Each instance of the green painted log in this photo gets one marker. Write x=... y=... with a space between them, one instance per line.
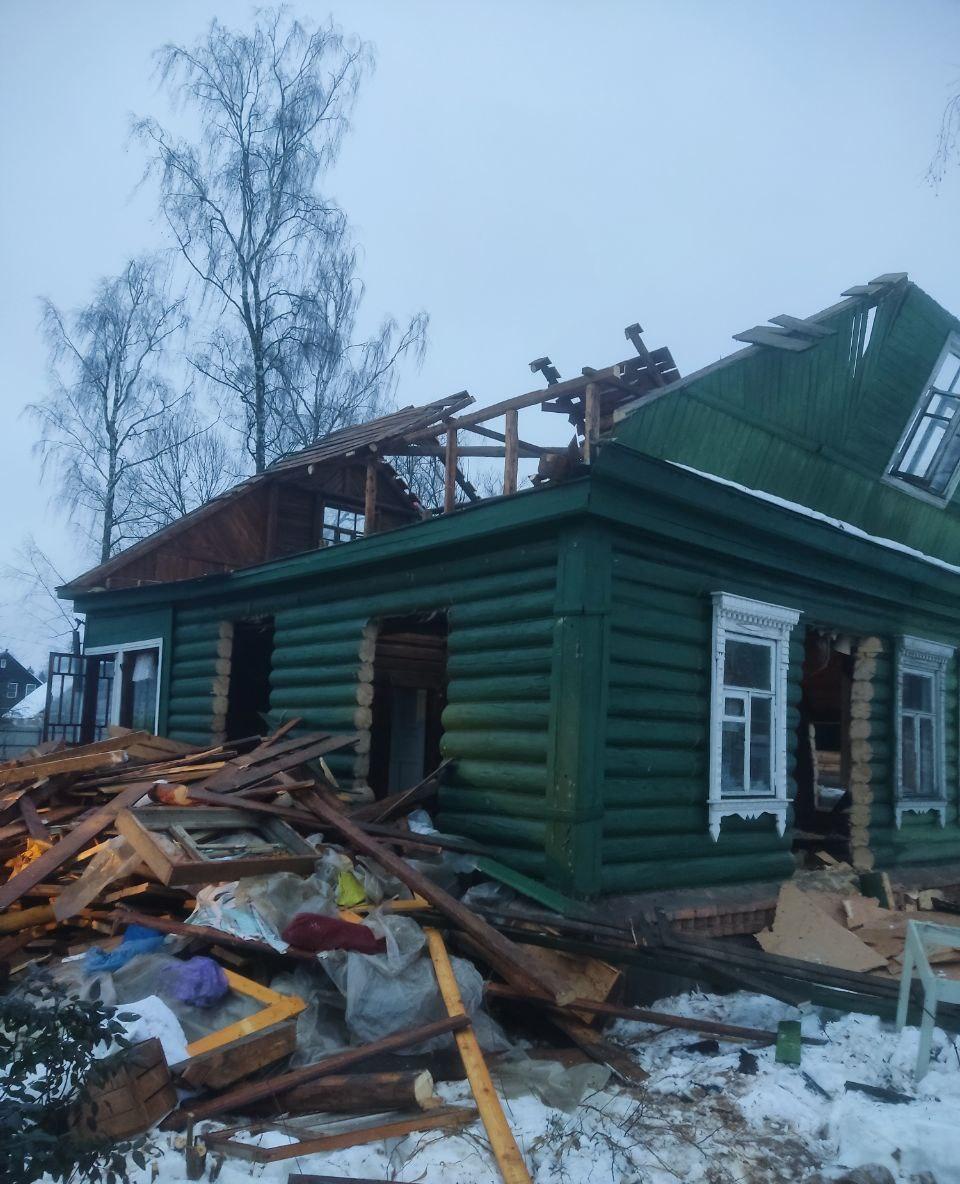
x=522 y=688
x=674 y=655
x=187 y=637
x=333 y=678
x=498 y=745
x=635 y=848
x=644 y=734
x=468 y=716
x=655 y=820
x=648 y=625
x=509 y=776
x=658 y=705
x=645 y=676
x=463 y=799
x=335 y=719
x=659 y=791
x=510 y=608
x=187 y=688
x=190 y=737
x=530 y=661
x=631 y=598
x=334 y=695
x=622 y=763
x=655 y=874
x=499 y=636
x=199 y=667
x=187 y=704
x=328 y=653
x=493 y=828
x=288 y=632
x=197 y=651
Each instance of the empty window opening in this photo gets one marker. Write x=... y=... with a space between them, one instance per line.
x=251 y=661
x=409 y=695
x=823 y=800
x=341 y=525
x=929 y=454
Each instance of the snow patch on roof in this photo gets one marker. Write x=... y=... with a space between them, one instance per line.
x=836 y=523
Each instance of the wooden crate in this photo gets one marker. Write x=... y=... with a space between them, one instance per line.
x=136 y=1093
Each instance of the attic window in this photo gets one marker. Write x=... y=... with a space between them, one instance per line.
x=340 y=525
x=928 y=458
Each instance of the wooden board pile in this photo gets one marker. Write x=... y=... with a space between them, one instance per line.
x=127 y=830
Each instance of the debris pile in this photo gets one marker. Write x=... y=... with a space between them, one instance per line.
x=310 y=975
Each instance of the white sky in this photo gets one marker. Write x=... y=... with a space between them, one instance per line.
x=536 y=175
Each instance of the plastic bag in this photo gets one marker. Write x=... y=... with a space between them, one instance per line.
x=199 y=981
x=136 y=940
x=554 y=1084
x=320 y=1026
x=389 y=992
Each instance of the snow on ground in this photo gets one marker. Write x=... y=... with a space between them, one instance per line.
x=701 y=1119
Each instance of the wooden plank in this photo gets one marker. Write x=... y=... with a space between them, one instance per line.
x=339 y=1062
x=241 y=1058
x=502 y=1143
x=389 y=807
x=36 y=828
x=277 y=1008
x=119 y=861
x=444 y=1117
x=510 y=457
x=591 y=423
x=641 y=1015
x=517 y=968
x=71 y=844
x=370 y=495
x=450 y=471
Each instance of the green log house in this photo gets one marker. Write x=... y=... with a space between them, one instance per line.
x=723 y=637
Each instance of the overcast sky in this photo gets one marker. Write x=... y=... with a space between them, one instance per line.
x=535 y=175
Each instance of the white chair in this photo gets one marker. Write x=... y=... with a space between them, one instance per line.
x=923 y=936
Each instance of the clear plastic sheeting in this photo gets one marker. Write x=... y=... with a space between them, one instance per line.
x=561 y=1086
x=321 y=1028
x=389 y=992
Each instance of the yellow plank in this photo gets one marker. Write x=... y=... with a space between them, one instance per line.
x=504 y=1145
x=277 y=1007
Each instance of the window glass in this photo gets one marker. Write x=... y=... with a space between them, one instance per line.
x=930 y=454
x=761 y=747
x=917 y=692
x=747 y=664
x=732 y=757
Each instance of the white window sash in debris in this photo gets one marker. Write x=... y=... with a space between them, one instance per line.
x=748 y=710
x=927 y=459
x=921 y=712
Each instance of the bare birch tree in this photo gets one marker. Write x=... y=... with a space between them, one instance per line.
x=190 y=465
x=244 y=206
x=948 y=141
x=108 y=399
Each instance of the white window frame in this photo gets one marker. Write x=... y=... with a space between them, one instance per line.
x=917 y=656
x=737 y=618
x=120 y=652
x=12 y=694
x=29 y=688
x=891 y=476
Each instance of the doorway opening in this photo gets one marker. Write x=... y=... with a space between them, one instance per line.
x=822 y=804
x=251 y=661
x=409 y=695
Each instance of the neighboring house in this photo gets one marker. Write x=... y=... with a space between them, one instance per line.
x=16 y=681
x=726 y=638
x=21 y=726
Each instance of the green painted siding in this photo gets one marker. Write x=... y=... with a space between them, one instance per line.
x=120 y=627
x=817 y=427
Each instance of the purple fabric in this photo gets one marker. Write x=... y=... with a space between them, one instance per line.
x=199 y=981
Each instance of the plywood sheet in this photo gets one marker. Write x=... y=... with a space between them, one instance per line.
x=802 y=929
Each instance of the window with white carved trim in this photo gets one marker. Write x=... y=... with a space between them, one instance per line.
x=921 y=694
x=748 y=719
